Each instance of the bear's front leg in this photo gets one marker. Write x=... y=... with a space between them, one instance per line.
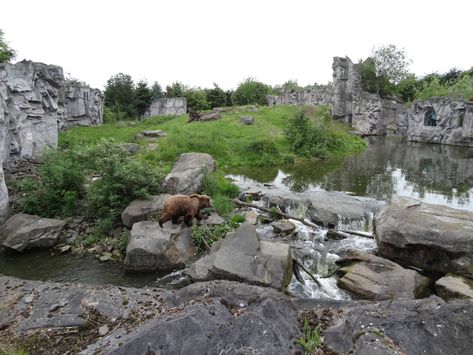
x=188 y=220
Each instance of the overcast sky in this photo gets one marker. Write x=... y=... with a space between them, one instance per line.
x=199 y=42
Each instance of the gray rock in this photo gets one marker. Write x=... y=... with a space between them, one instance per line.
x=431 y=237
x=131 y=148
x=154 y=248
x=103 y=330
x=334 y=235
x=452 y=286
x=187 y=173
x=453 y=124
x=167 y=106
x=151 y=134
x=403 y=326
x=83 y=106
x=211 y=116
x=283 y=226
x=4 y=210
x=250 y=195
x=23 y=231
x=141 y=210
x=251 y=217
x=247 y=120
x=374 y=278
x=242 y=257
x=214 y=219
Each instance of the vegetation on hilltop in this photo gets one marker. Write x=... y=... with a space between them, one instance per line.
x=6 y=53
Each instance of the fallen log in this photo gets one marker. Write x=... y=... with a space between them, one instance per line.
x=282 y=214
x=359 y=234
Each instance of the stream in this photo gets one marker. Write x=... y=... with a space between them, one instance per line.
x=433 y=173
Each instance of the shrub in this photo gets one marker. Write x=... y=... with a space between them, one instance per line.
x=251 y=92
x=57 y=190
x=236 y=220
x=216 y=97
x=120 y=93
x=122 y=179
x=196 y=99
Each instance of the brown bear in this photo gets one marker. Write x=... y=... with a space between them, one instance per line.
x=182 y=205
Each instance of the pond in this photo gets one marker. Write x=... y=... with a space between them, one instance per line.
x=433 y=173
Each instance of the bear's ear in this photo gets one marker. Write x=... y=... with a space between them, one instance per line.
x=204 y=197
x=194 y=196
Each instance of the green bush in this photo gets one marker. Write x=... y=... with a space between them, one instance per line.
x=216 y=97
x=58 y=189
x=122 y=178
x=311 y=340
x=251 y=92
x=196 y=99
x=206 y=235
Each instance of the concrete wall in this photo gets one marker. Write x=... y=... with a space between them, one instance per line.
x=454 y=122
x=167 y=106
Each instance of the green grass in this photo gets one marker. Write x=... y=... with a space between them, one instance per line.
x=230 y=142
x=311 y=339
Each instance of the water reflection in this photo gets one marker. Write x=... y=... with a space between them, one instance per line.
x=434 y=173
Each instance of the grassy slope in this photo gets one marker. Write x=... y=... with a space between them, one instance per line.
x=230 y=142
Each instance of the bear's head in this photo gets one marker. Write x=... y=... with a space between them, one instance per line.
x=204 y=201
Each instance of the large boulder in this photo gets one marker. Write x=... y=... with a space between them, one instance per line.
x=403 y=326
x=242 y=257
x=431 y=237
x=141 y=210
x=186 y=175
x=374 y=278
x=23 y=231
x=452 y=286
x=152 y=248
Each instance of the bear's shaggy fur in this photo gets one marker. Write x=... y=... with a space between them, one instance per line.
x=182 y=205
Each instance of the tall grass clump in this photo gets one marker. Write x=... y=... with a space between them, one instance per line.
x=221 y=190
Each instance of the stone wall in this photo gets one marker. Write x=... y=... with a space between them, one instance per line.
x=83 y=106
x=368 y=113
x=453 y=122
x=167 y=106
x=34 y=104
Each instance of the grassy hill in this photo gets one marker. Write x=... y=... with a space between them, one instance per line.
x=230 y=142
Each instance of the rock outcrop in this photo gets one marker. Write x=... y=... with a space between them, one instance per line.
x=431 y=237
x=378 y=279
x=83 y=106
x=167 y=106
x=23 y=232
x=34 y=104
x=187 y=173
x=152 y=248
x=441 y=120
x=368 y=113
x=141 y=210
x=221 y=317
x=241 y=256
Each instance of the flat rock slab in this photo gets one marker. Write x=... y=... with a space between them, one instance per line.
x=242 y=257
x=402 y=326
x=141 y=210
x=374 y=278
x=247 y=120
x=187 y=173
x=152 y=248
x=431 y=237
x=151 y=134
x=23 y=231
x=451 y=286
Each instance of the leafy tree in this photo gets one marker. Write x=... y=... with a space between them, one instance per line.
x=407 y=87
x=451 y=77
x=216 y=97
x=196 y=99
x=156 y=91
x=120 y=94
x=431 y=88
x=391 y=63
x=228 y=97
x=251 y=92
x=367 y=70
x=463 y=88
x=143 y=97
x=175 y=90
x=6 y=53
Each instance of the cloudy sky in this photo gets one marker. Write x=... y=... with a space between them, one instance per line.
x=199 y=42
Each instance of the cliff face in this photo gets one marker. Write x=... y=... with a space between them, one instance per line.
x=34 y=104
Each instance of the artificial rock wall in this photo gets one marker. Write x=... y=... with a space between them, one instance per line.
x=34 y=105
x=368 y=113
x=453 y=122
x=167 y=106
